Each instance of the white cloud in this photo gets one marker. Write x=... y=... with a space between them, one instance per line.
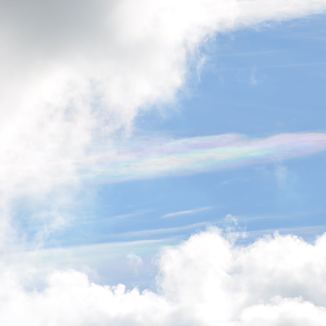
x=73 y=73
x=187 y=212
x=153 y=159
x=206 y=280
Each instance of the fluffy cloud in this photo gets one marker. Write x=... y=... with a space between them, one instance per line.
x=207 y=280
x=76 y=73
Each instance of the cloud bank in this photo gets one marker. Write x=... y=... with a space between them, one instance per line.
x=207 y=280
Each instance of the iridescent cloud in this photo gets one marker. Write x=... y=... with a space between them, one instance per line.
x=151 y=159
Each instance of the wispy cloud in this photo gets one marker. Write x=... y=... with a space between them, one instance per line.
x=115 y=218
x=162 y=233
x=187 y=212
x=74 y=75
x=203 y=154
x=88 y=69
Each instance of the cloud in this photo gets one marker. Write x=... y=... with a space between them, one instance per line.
x=207 y=280
x=75 y=73
x=161 y=233
x=74 y=76
x=187 y=212
x=203 y=154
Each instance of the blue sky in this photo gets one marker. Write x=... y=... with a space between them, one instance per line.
x=257 y=82
x=162 y=162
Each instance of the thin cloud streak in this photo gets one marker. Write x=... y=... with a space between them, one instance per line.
x=161 y=232
x=203 y=154
x=187 y=212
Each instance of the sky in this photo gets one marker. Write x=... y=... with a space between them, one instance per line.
x=162 y=162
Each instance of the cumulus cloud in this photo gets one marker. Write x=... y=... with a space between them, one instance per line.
x=207 y=280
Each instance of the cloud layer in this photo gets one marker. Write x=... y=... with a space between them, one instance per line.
x=207 y=280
